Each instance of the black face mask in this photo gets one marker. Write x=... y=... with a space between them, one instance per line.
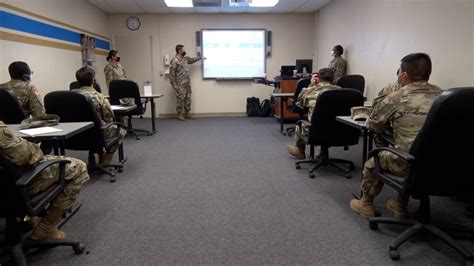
x=183 y=53
x=118 y=59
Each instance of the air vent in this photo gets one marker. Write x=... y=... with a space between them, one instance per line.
x=237 y=3
x=206 y=3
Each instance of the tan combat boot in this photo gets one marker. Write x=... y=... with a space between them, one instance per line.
x=47 y=228
x=398 y=206
x=297 y=152
x=187 y=115
x=180 y=117
x=364 y=207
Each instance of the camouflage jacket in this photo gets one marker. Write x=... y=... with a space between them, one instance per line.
x=391 y=87
x=338 y=65
x=28 y=96
x=18 y=151
x=101 y=104
x=404 y=111
x=179 y=72
x=308 y=96
x=113 y=71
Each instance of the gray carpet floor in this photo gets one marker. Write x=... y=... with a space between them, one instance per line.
x=225 y=191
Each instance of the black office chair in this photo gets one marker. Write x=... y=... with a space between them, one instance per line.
x=300 y=84
x=356 y=82
x=75 y=85
x=119 y=89
x=326 y=132
x=16 y=204
x=10 y=107
x=439 y=164
x=73 y=106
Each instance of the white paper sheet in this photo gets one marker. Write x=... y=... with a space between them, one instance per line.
x=40 y=130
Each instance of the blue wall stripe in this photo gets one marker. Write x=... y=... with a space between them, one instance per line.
x=19 y=23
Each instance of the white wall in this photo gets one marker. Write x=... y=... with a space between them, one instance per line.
x=292 y=38
x=53 y=68
x=377 y=34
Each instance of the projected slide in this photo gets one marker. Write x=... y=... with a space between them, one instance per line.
x=235 y=54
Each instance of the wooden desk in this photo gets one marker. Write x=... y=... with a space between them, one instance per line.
x=285 y=85
x=58 y=138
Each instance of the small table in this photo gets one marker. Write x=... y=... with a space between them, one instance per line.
x=58 y=138
x=366 y=135
x=283 y=99
x=120 y=111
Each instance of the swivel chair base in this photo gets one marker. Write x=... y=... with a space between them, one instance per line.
x=324 y=160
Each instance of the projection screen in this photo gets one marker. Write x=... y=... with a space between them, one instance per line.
x=233 y=53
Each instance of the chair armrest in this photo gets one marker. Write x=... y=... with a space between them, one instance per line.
x=305 y=122
x=28 y=176
x=399 y=183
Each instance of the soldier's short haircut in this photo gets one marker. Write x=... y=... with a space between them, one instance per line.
x=17 y=69
x=326 y=74
x=111 y=53
x=339 y=49
x=179 y=47
x=85 y=76
x=417 y=66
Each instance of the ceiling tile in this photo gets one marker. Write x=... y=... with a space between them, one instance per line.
x=181 y=9
x=207 y=9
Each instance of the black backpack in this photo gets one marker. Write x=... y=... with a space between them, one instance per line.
x=266 y=108
x=253 y=107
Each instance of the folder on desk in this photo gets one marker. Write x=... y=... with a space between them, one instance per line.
x=39 y=131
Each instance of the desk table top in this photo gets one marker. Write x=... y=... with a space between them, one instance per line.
x=67 y=130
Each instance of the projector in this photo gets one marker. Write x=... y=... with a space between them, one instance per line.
x=239 y=3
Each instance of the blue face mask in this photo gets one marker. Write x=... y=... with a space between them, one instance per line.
x=27 y=77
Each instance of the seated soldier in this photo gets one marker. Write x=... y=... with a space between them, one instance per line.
x=27 y=93
x=24 y=155
x=307 y=100
x=86 y=78
x=404 y=112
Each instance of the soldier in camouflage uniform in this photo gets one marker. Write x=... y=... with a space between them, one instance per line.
x=25 y=155
x=404 y=111
x=307 y=100
x=338 y=64
x=388 y=89
x=86 y=78
x=28 y=95
x=180 y=82
x=113 y=71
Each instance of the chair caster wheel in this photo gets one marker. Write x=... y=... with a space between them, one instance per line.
x=348 y=176
x=297 y=166
x=373 y=225
x=311 y=175
x=352 y=167
x=79 y=249
x=112 y=180
x=394 y=254
x=120 y=170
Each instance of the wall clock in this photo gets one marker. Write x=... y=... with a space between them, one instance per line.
x=133 y=23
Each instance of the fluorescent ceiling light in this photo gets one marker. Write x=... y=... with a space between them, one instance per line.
x=179 y=3
x=263 y=3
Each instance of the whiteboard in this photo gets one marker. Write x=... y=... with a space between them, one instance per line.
x=233 y=53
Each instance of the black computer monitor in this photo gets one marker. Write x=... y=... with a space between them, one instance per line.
x=287 y=71
x=302 y=63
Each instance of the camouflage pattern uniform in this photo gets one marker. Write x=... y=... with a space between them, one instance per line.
x=28 y=96
x=103 y=109
x=388 y=89
x=24 y=155
x=114 y=71
x=338 y=65
x=405 y=111
x=307 y=99
x=179 y=79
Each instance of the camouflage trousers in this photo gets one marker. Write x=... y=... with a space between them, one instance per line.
x=301 y=134
x=127 y=101
x=183 y=98
x=371 y=185
x=76 y=173
x=110 y=132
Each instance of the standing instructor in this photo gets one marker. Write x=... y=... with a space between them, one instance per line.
x=179 y=79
